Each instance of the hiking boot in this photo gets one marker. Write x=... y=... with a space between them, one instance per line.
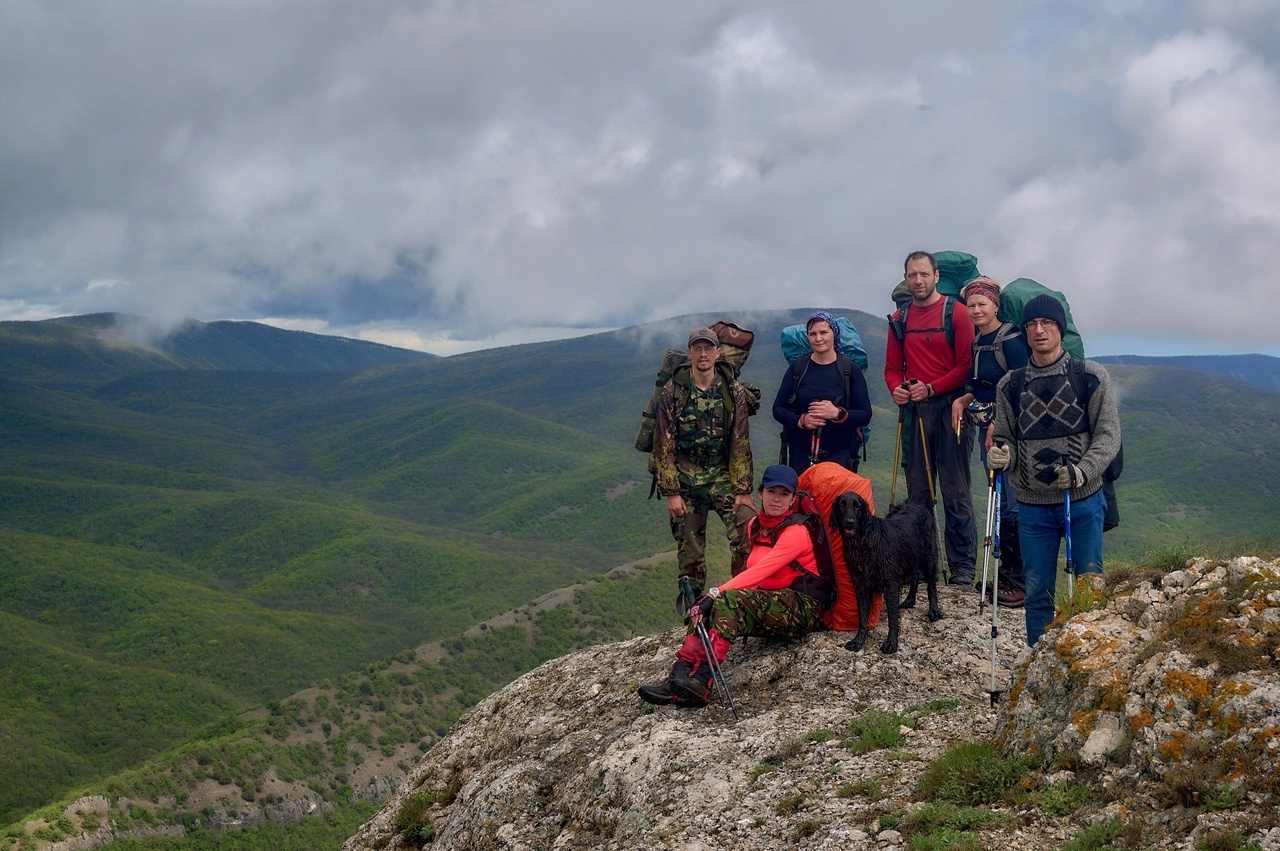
x=1011 y=598
x=659 y=694
x=962 y=581
x=697 y=693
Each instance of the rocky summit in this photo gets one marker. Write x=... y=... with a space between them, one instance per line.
x=1146 y=717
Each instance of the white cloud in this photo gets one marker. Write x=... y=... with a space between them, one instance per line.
x=1178 y=237
x=402 y=171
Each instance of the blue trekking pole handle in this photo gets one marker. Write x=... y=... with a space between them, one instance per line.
x=1071 y=561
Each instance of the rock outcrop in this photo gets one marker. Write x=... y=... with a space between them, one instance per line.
x=1161 y=694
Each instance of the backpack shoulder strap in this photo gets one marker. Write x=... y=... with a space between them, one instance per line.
x=845 y=364
x=1007 y=332
x=727 y=382
x=810 y=515
x=1013 y=392
x=798 y=368
x=948 y=308
x=1080 y=386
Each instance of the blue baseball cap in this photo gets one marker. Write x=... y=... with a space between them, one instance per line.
x=780 y=476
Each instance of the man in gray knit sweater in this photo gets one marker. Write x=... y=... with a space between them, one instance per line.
x=1057 y=428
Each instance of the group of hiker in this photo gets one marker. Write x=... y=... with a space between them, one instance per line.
x=1046 y=423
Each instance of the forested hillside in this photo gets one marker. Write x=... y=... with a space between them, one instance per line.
x=197 y=525
x=1259 y=370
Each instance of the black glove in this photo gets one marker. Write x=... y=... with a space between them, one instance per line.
x=703 y=606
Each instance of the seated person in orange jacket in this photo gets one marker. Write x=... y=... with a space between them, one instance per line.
x=780 y=593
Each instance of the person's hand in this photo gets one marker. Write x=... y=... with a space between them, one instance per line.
x=998 y=458
x=900 y=395
x=918 y=390
x=957 y=410
x=701 y=609
x=745 y=499
x=823 y=410
x=675 y=506
x=1069 y=476
x=990 y=437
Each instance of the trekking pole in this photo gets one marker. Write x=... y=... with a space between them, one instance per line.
x=717 y=674
x=995 y=582
x=897 y=456
x=815 y=445
x=924 y=448
x=986 y=538
x=1071 y=562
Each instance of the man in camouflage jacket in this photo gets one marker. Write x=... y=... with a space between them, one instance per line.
x=702 y=456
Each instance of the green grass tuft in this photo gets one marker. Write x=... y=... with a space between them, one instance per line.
x=972 y=773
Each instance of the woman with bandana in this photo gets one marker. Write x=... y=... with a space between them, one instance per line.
x=822 y=415
x=998 y=347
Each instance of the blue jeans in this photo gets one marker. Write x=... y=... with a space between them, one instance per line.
x=1040 y=529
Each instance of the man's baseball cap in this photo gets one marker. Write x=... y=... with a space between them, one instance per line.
x=704 y=334
x=780 y=476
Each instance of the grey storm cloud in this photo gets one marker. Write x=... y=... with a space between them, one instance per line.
x=405 y=170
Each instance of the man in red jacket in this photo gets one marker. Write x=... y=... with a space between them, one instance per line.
x=926 y=362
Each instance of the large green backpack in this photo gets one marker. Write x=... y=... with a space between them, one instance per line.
x=1014 y=297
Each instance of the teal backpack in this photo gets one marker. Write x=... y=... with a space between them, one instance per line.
x=796 y=349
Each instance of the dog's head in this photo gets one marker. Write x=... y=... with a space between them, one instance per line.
x=849 y=514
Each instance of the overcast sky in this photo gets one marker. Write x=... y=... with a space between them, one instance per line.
x=450 y=175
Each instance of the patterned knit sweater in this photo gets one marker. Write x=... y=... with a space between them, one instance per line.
x=1053 y=427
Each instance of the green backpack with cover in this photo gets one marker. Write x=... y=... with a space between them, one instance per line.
x=1014 y=297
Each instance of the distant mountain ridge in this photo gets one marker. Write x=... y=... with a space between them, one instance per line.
x=102 y=346
x=1258 y=370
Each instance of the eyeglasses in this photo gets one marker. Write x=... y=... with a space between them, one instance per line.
x=1037 y=324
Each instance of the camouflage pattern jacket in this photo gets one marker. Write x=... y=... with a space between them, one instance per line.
x=699 y=438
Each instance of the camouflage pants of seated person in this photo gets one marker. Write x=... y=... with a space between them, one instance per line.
x=690 y=531
x=778 y=614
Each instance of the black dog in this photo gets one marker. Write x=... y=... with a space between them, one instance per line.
x=885 y=553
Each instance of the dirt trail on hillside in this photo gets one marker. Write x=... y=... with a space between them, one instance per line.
x=434 y=651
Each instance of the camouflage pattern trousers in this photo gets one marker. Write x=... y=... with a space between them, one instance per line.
x=690 y=531
x=754 y=611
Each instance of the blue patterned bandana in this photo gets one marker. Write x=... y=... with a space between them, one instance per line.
x=830 y=320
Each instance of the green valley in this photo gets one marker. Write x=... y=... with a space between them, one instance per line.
x=241 y=560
